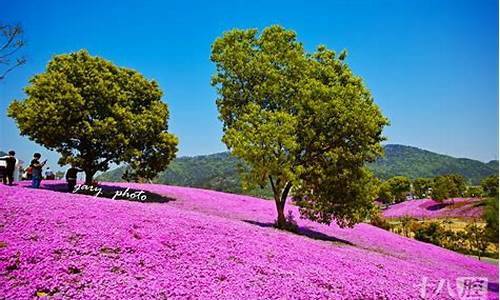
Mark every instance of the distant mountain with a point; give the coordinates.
(219, 171)
(493, 164)
(414, 162)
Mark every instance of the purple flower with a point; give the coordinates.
(204, 245)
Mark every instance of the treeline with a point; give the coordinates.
(400, 188)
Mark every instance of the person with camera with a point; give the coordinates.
(36, 170)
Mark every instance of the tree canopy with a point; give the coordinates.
(490, 215)
(94, 113)
(422, 186)
(301, 121)
(448, 186)
(490, 185)
(395, 189)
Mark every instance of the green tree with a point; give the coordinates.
(441, 188)
(457, 186)
(490, 185)
(474, 191)
(448, 186)
(400, 186)
(300, 121)
(490, 215)
(477, 238)
(421, 187)
(405, 222)
(94, 113)
(376, 219)
(430, 233)
(384, 192)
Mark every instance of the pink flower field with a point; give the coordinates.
(207, 245)
(428, 208)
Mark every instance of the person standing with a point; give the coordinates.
(71, 175)
(3, 171)
(36, 170)
(10, 166)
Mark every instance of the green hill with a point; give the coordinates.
(493, 164)
(414, 162)
(219, 171)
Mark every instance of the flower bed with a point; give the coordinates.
(428, 208)
(204, 245)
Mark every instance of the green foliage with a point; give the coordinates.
(490, 185)
(448, 186)
(478, 239)
(384, 193)
(473, 240)
(299, 120)
(414, 163)
(455, 241)
(406, 222)
(440, 188)
(377, 220)
(430, 233)
(474, 191)
(395, 189)
(491, 217)
(457, 185)
(421, 187)
(220, 172)
(94, 113)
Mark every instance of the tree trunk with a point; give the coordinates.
(280, 201)
(89, 176)
(281, 223)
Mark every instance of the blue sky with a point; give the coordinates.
(432, 66)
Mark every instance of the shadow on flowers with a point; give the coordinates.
(493, 287)
(111, 192)
(307, 232)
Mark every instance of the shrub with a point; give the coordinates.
(478, 239)
(491, 217)
(378, 221)
(430, 233)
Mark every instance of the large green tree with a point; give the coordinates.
(448, 186)
(385, 193)
(395, 189)
(94, 113)
(441, 188)
(490, 185)
(422, 186)
(458, 186)
(302, 122)
(490, 215)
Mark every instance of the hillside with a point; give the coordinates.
(219, 171)
(205, 245)
(430, 209)
(414, 162)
